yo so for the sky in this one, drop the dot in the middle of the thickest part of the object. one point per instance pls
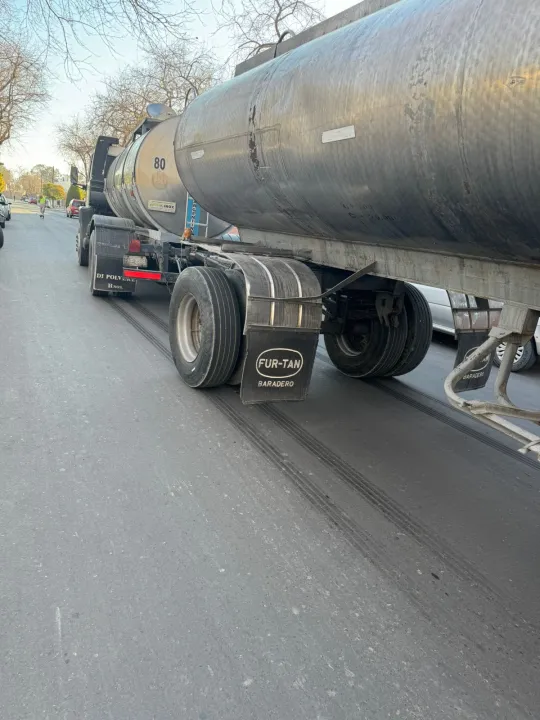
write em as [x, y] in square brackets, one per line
[37, 144]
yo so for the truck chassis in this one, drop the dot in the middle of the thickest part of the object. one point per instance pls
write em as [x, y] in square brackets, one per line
[250, 312]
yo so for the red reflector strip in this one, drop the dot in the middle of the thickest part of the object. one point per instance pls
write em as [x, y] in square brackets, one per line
[142, 274]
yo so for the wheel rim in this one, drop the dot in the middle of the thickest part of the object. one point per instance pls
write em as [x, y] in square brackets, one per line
[188, 326]
[500, 353]
[352, 345]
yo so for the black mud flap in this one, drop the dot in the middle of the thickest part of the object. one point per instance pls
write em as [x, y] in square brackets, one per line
[278, 364]
[109, 275]
[478, 376]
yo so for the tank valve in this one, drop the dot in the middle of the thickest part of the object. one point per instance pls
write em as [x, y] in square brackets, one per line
[188, 232]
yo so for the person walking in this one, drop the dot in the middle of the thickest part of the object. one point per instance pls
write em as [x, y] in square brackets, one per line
[42, 202]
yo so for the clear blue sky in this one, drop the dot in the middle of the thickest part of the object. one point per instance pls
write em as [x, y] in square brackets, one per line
[37, 144]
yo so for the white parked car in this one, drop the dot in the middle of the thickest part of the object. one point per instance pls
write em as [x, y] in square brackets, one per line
[5, 211]
[443, 321]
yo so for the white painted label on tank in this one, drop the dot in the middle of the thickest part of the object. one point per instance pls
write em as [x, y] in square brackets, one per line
[196, 154]
[162, 206]
[342, 133]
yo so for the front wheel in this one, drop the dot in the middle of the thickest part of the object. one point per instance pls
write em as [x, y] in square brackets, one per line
[204, 327]
[524, 358]
[1, 239]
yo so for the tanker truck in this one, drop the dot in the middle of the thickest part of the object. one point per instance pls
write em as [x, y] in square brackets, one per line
[395, 143]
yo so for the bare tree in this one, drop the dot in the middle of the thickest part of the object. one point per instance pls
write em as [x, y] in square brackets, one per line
[67, 28]
[171, 74]
[22, 87]
[76, 140]
[259, 24]
[176, 74]
[30, 183]
[122, 105]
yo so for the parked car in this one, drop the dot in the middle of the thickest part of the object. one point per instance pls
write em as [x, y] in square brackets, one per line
[443, 321]
[72, 209]
[32, 201]
[5, 211]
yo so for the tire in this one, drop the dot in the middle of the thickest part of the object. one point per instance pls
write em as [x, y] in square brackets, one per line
[3, 224]
[524, 359]
[82, 254]
[8, 217]
[238, 282]
[1, 239]
[419, 332]
[92, 273]
[204, 327]
[371, 354]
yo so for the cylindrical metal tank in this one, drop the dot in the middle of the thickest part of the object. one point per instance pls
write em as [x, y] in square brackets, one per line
[417, 127]
[143, 185]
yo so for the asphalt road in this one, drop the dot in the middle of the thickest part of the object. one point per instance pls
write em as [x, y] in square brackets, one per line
[169, 554]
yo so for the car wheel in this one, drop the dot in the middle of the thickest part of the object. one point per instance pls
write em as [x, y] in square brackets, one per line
[524, 359]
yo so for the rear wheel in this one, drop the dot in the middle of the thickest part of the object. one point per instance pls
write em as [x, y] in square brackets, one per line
[1, 239]
[419, 332]
[368, 349]
[524, 358]
[82, 253]
[204, 327]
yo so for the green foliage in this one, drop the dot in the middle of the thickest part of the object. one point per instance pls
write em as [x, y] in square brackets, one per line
[2, 183]
[74, 193]
[53, 191]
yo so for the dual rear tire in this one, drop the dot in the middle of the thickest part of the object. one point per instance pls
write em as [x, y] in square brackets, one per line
[379, 350]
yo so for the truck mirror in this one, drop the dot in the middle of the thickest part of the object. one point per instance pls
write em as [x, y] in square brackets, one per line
[74, 175]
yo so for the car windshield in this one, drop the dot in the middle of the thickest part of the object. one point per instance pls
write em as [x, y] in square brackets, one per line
[77, 203]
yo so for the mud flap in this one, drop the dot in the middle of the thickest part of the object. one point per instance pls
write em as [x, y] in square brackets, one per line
[112, 236]
[278, 365]
[473, 319]
[282, 323]
[109, 277]
[478, 376]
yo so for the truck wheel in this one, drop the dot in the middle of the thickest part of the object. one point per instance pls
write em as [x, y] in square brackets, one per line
[204, 327]
[1, 239]
[3, 224]
[371, 352]
[419, 332]
[82, 253]
[238, 282]
[92, 273]
[524, 358]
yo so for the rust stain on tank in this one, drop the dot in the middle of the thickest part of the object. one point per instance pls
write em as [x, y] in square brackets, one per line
[252, 141]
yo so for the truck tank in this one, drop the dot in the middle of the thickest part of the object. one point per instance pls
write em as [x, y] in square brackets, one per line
[415, 128]
[142, 184]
